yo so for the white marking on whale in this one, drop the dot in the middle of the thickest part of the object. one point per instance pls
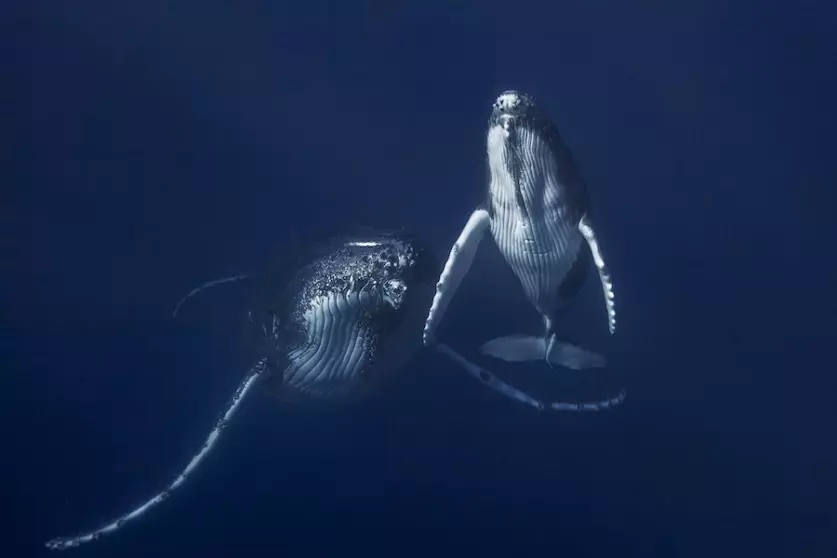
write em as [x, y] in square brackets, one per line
[537, 210]
[331, 326]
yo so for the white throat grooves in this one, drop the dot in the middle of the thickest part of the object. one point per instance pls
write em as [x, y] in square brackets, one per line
[337, 348]
[539, 240]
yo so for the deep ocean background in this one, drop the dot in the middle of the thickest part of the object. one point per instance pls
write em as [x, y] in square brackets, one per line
[150, 146]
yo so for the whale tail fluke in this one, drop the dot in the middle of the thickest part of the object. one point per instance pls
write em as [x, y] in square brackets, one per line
[523, 348]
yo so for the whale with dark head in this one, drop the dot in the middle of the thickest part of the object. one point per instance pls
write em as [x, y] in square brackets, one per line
[538, 211]
[329, 326]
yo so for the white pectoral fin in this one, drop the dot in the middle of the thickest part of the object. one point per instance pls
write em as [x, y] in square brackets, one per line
[520, 348]
[589, 234]
[498, 385]
[459, 262]
[62, 543]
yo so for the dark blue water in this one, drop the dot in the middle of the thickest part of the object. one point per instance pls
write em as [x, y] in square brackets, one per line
[150, 146]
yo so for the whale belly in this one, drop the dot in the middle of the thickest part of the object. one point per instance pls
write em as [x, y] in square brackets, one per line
[541, 256]
[536, 233]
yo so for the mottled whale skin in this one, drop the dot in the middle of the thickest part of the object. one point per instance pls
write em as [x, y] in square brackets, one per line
[351, 313]
[327, 326]
[537, 211]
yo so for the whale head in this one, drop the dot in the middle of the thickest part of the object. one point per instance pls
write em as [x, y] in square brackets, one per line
[350, 311]
[527, 159]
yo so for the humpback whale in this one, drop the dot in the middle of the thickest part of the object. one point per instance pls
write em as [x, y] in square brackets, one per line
[345, 315]
[538, 211]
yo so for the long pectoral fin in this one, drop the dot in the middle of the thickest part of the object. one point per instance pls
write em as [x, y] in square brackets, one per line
[206, 285]
[521, 348]
[459, 262]
[62, 543]
[500, 386]
[589, 234]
